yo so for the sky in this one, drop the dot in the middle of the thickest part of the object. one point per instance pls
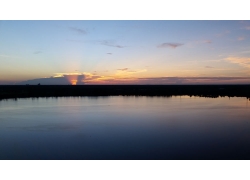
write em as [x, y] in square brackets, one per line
[124, 52]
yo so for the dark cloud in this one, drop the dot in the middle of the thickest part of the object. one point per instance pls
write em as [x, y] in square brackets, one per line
[124, 69]
[110, 43]
[94, 79]
[172, 80]
[169, 45]
[78, 30]
[47, 81]
[37, 52]
[65, 80]
[7, 83]
[80, 79]
[209, 67]
[109, 53]
[195, 80]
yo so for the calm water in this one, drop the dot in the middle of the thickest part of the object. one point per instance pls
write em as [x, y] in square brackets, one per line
[125, 128]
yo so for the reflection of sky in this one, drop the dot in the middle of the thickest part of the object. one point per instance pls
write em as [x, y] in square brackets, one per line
[179, 127]
[112, 51]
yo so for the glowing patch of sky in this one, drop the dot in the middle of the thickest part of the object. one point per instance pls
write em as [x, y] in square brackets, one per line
[37, 49]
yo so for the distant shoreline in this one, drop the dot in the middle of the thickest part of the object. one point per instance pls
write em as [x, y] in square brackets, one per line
[212, 91]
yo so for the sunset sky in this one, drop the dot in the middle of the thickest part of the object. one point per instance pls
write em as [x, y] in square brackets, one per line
[124, 52]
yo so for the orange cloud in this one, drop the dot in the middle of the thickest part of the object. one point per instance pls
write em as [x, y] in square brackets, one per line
[242, 61]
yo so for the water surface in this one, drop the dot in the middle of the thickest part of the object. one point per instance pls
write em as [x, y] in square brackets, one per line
[125, 127]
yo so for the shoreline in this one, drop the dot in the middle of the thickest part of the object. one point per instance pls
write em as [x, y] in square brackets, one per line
[211, 91]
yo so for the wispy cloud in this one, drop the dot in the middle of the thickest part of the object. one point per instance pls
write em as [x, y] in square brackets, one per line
[109, 53]
[111, 43]
[8, 56]
[207, 41]
[78, 30]
[102, 42]
[125, 72]
[241, 38]
[123, 69]
[245, 51]
[209, 67]
[247, 27]
[223, 33]
[37, 52]
[242, 61]
[169, 45]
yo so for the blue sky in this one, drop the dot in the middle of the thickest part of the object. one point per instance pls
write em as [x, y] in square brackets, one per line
[127, 52]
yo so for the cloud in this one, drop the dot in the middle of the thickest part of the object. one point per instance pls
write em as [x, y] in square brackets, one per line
[195, 80]
[4, 82]
[247, 27]
[47, 81]
[209, 67]
[223, 33]
[242, 61]
[89, 78]
[103, 42]
[109, 53]
[7, 56]
[78, 30]
[124, 73]
[58, 79]
[37, 52]
[169, 45]
[241, 38]
[110, 43]
[124, 69]
[207, 41]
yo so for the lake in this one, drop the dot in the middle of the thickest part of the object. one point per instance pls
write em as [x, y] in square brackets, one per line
[125, 128]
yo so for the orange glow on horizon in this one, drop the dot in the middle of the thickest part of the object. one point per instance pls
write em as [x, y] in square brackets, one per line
[128, 78]
[73, 82]
[72, 79]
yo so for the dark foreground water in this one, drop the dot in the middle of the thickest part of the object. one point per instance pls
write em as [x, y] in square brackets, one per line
[125, 128]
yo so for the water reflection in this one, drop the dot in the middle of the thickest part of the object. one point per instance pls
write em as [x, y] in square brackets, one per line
[125, 128]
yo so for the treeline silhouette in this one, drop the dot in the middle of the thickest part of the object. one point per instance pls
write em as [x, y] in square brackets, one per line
[212, 91]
